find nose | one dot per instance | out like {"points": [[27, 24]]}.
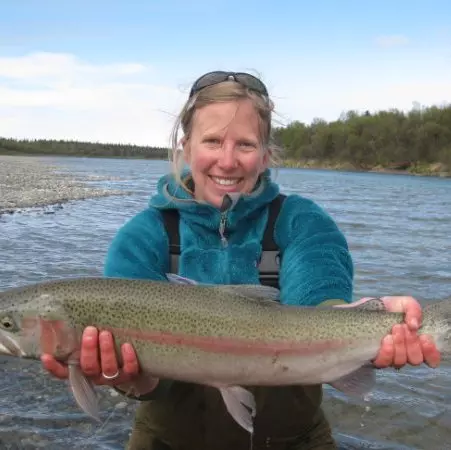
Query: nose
{"points": [[228, 157]]}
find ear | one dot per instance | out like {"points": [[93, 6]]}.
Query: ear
{"points": [[186, 149], [266, 159]]}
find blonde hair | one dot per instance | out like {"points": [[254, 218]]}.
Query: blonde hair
{"points": [[222, 92]]}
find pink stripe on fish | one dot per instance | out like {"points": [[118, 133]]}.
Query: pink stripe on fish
{"points": [[229, 344]]}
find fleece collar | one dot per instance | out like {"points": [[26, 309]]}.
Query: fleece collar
{"points": [[171, 195]]}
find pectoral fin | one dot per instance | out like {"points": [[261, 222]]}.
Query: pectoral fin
{"points": [[83, 391], [240, 404]]}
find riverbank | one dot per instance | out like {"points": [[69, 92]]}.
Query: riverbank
{"points": [[27, 182], [432, 170]]}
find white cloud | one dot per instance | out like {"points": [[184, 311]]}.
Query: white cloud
{"points": [[371, 82], [395, 40], [42, 65], [328, 102], [48, 95]]}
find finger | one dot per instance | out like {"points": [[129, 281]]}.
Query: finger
{"points": [[413, 347], [386, 353], [129, 370], [400, 357], [431, 355], [89, 357], [54, 367], [414, 314], [108, 359], [131, 364]]}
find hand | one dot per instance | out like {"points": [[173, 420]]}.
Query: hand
{"points": [[94, 366], [404, 346]]}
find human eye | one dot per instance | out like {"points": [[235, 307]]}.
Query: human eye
{"points": [[212, 141], [246, 145]]}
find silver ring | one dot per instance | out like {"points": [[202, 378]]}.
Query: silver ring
{"points": [[112, 377]]}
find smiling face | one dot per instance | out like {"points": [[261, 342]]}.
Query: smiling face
{"points": [[224, 150]]}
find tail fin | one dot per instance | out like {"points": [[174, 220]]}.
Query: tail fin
{"points": [[437, 324]]}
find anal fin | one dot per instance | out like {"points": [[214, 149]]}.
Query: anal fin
{"points": [[240, 404], [356, 383]]}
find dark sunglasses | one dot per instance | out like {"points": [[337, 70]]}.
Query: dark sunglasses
{"points": [[246, 79]]}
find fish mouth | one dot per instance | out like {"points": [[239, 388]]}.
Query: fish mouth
{"points": [[9, 346]]}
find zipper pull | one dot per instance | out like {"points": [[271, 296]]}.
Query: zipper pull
{"points": [[222, 225]]}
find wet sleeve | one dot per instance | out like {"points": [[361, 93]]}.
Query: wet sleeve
{"points": [[316, 264], [139, 249]]}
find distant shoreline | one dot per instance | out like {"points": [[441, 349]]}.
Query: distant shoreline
{"points": [[427, 170]]}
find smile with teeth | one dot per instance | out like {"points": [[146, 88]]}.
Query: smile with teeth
{"points": [[226, 181]]}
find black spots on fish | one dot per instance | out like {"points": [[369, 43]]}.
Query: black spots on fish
{"points": [[116, 315], [350, 323], [275, 359]]}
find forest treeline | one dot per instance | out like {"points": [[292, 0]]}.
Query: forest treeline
{"points": [[417, 141], [77, 148]]}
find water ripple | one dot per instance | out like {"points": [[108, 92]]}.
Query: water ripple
{"points": [[398, 232]]}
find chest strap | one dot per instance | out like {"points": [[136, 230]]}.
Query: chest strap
{"points": [[269, 263]]}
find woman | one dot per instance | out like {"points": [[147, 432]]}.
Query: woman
{"points": [[226, 145]]}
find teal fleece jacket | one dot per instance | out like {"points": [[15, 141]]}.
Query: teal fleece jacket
{"points": [[224, 247]]}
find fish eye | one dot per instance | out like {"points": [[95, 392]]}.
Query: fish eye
{"points": [[6, 323]]}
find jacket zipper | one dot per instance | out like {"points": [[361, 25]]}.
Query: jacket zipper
{"points": [[222, 227]]}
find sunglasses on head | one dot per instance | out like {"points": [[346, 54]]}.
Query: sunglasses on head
{"points": [[246, 79]]}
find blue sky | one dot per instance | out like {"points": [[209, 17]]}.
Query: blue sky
{"points": [[120, 70]]}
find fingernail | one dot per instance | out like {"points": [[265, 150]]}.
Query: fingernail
{"points": [[90, 330]]}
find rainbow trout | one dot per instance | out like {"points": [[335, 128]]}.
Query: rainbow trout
{"points": [[227, 337]]}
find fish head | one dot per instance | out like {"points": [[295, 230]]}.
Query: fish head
{"points": [[29, 334], [17, 335], [33, 321]]}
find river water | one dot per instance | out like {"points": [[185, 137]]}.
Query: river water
{"points": [[398, 228]]}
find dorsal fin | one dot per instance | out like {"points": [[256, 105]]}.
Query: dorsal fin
{"points": [[256, 291]]}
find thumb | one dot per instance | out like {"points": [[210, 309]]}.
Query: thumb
{"points": [[407, 305]]}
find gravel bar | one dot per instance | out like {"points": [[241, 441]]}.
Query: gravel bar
{"points": [[27, 182]]}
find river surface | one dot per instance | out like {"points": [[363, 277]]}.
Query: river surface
{"points": [[399, 231]]}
